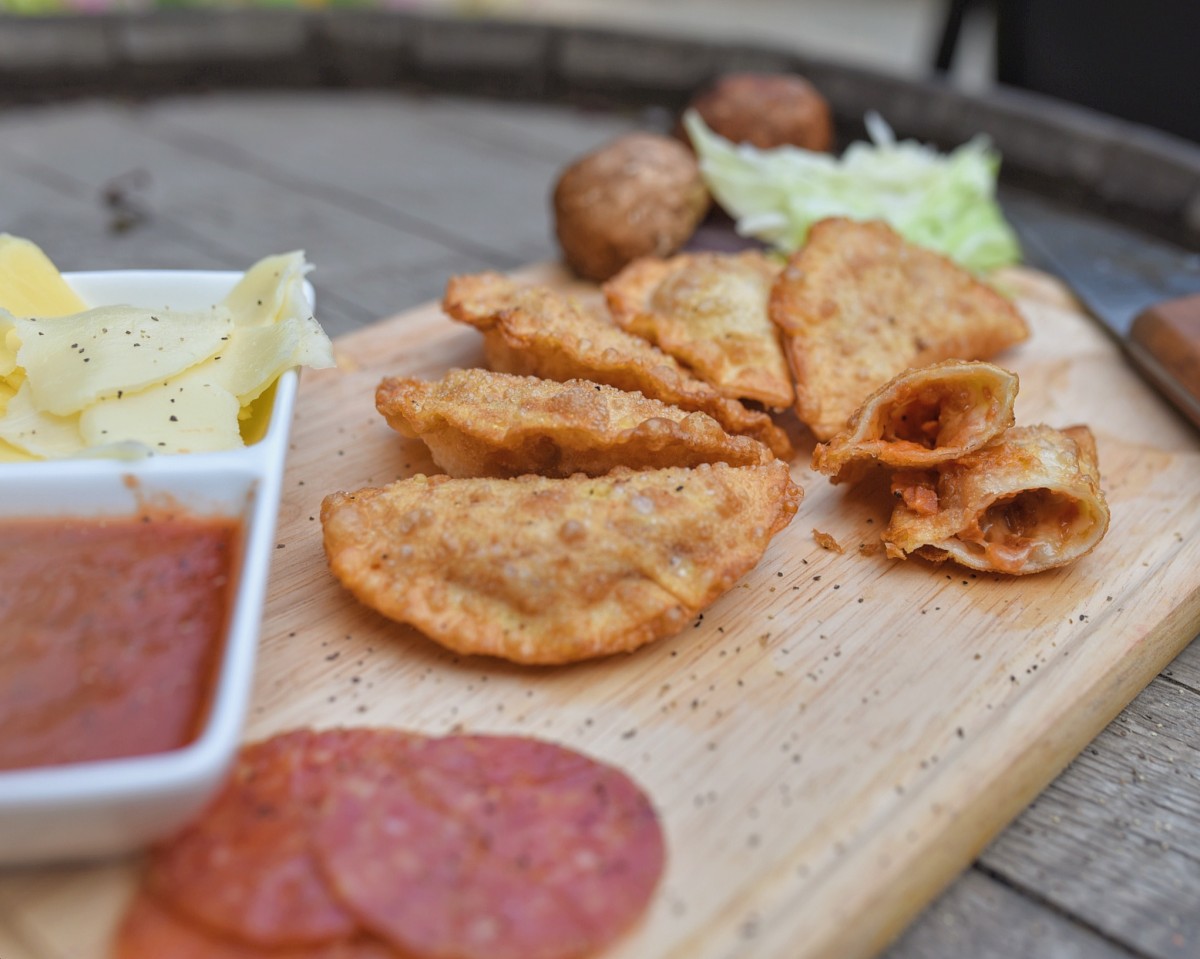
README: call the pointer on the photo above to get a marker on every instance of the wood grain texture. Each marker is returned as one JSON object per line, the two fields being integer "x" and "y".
{"x": 1186, "y": 668}
{"x": 835, "y": 739}
{"x": 981, "y": 918}
{"x": 1151, "y": 808}
{"x": 51, "y": 181}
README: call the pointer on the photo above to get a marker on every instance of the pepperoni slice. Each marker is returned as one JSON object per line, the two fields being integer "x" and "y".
{"x": 151, "y": 931}
{"x": 489, "y": 847}
{"x": 245, "y": 869}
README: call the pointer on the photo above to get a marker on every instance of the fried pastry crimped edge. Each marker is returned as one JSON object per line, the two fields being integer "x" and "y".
{"x": 857, "y": 304}
{"x": 923, "y": 417}
{"x": 483, "y": 423}
{"x": 709, "y": 311}
{"x": 542, "y": 570}
{"x": 536, "y": 331}
{"x": 1029, "y": 502}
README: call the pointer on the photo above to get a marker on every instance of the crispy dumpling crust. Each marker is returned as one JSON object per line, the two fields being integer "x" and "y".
{"x": 857, "y": 305}
{"x": 709, "y": 311}
{"x": 923, "y": 417}
{"x": 481, "y": 423}
{"x": 542, "y": 570}
{"x": 1029, "y": 502}
{"x": 536, "y": 331}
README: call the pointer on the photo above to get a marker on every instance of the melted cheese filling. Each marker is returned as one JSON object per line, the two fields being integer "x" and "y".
{"x": 1029, "y": 525}
{"x": 938, "y": 418}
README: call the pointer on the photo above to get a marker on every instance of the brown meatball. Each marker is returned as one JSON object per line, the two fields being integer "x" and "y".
{"x": 767, "y": 110}
{"x": 640, "y": 195}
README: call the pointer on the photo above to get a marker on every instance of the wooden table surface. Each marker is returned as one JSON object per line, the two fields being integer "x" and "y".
{"x": 390, "y": 194}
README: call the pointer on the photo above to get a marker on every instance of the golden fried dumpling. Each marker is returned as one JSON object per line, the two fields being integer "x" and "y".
{"x": 544, "y": 570}
{"x": 709, "y": 311}
{"x": 481, "y": 423}
{"x": 1028, "y": 502}
{"x": 923, "y": 417}
{"x": 536, "y": 331}
{"x": 857, "y": 304}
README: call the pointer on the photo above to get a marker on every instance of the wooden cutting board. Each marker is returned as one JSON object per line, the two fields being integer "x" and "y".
{"x": 830, "y": 743}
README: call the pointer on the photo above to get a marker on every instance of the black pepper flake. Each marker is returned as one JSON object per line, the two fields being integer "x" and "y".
{"x": 332, "y": 656}
{"x": 629, "y": 734}
{"x": 174, "y": 418}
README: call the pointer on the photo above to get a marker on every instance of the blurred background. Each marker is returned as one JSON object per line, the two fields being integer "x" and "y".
{"x": 894, "y": 35}
{"x": 1135, "y": 61}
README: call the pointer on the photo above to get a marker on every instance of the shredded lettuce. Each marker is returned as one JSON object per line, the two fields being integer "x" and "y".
{"x": 945, "y": 202}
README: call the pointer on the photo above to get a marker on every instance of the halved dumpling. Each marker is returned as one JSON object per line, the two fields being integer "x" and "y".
{"x": 709, "y": 311}
{"x": 1028, "y": 502}
{"x": 544, "y": 570}
{"x": 537, "y": 332}
{"x": 482, "y": 423}
{"x": 858, "y": 305}
{"x": 923, "y": 417}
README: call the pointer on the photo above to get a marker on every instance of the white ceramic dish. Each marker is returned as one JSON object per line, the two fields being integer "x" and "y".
{"x": 94, "y": 809}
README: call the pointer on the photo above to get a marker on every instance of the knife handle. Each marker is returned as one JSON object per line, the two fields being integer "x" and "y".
{"x": 1170, "y": 333}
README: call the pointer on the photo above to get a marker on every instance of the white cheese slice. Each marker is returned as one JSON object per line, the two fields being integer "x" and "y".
{"x": 11, "y": 454}
{"x": 30, "y": 285}
{"x": 38, "y": 433}
{"x": 270, "y": 290}
{"x": 189, "y": 413}
{"x": 255, "y": 356}
{"x": 9, "y": 341}
{"x": 73, "y": 361}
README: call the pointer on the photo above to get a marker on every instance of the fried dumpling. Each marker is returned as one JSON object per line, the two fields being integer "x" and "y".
{"x": 544, "y": 570}
{"x": 923, "y": 417}
{"x": 481, "y": 423}
{"x": 538, "y": 332}
{"x": 857, "y": 304}
{"x": 709, "y": 311}
{"x": 1028, "y": 502}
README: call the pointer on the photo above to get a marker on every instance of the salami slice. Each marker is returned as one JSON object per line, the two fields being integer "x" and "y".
{"x": 490, "y": 847}
{"x": 245, "y": 869}
{"x": 151, "y": 931}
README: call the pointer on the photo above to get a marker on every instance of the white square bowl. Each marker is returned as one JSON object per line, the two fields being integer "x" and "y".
{"x": 92, "y": 809}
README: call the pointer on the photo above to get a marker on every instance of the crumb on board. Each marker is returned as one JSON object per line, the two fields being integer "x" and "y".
{"x": 826, "y": 541}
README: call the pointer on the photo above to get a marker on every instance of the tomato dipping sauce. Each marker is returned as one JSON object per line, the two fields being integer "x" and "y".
{"x": 111, "y": 631}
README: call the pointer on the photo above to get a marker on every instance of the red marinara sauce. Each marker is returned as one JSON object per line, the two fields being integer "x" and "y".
{"x": 111, "y": 632}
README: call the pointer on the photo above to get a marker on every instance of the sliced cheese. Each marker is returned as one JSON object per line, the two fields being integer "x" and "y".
{"x": 253, "y": 358}
{"x": 11, "y": 454}
{"x": 9, "y": 341}
{"x": 119, "y": 380}
{"x": 269, "y": 290}
{"x": 188, "y": 413}
{"x": 30, "y": 285}
{"x": 36, "y": 432}
{"x": 73, "y": 361}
